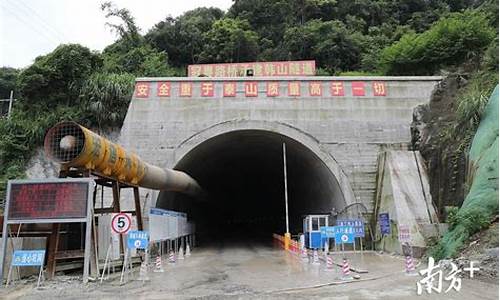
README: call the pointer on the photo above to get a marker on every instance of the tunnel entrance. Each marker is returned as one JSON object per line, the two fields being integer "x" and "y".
{"x": 241, "y": 173}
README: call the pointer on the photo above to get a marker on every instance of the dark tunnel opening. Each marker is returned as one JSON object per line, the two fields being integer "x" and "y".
{"x": 242, "y": 175}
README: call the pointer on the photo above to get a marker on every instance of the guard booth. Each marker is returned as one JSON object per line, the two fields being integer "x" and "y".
{"x": 311, "y": 225}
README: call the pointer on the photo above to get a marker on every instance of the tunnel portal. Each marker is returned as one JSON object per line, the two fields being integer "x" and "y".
{"x": 242, "y": 175}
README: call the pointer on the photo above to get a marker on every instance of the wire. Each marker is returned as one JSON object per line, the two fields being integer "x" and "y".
{"x": 50, "y": 39}
{"x": 59, "y": 33}
{"x": 24, "y": 21}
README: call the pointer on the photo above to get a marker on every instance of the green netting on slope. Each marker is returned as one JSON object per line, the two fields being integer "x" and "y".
{"x": 481, "y": 204}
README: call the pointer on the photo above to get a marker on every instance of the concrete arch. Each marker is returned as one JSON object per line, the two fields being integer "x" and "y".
{"x": 305, "y": 139}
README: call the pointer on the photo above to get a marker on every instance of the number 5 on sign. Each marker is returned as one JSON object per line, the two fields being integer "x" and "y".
{"x": 121, "y": 223}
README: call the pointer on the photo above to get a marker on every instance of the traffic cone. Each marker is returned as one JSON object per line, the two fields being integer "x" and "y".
{"x": 171, "y": 257}
{"x": 143, "y": 272}
{"x": 346, "y": 270}
{"x": 315, "y": 257}
{"x": 304, "y": 255}
{"x": 410, "y": 266}
{"x": 329, "y": 263}
{"x": 181, "y": 253}
{"x": 188, "y": 250}
{"x": 158, "y": 265}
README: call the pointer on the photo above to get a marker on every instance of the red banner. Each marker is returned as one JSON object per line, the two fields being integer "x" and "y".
{"x": 378, "y": 88}
{"x": 272, "y": 68}
{"x": 315, "y": 89}
{"x": 273, "y": 89}
{"x": 141, "y": 90}
{"x": 207, "y": 89}
{"x": 251, "y": 89}
{"x": 163, "y": 89}
{"x": 337, "y": 88}
{"x": 229, "y": 89}
{"x": 185, "y": 89}
{"x": 144, "y": 89}
{"x": 358, "y": 88}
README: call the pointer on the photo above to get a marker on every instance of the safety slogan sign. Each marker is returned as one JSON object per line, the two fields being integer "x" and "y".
{"x": 385, "y": 223}
{"x": 344, "y": 235}
{"x": 404, "y": 233}
{"x": 137, "y": 239}
{"x": 357, "y": 224}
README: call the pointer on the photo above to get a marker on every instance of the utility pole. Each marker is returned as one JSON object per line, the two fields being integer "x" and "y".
{"x": 11, "y": 101}
{"x": 287, "y": 233}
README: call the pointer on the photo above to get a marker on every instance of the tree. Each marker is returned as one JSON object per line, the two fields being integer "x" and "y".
{"x": 142, "y": 60}
{"x": 131, "y": 53}
{"x": 449, "y": 42}
{"x": 8, "y": 78}
{"x": 230, "y": 40}
{"x": 183, "y": 37}
{"x": 128, "y": 31}
{"x": 56, "y": 78}
{"x": 106, "y": 97}
{"x": 329, "y": 43}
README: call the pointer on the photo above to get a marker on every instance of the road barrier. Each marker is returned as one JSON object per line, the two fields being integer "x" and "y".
{"x": 143, "y": 272}
{"x": 329, "y": 263}
{"x": 305, "y": 255}
{"x": 171, "y": 257}
{"x": 158, "y": 265}
{"x": 315, "y": 257}
{"x": 410, "y": 266}
{"x": 279, "y": 240}
{"x": 346, "y": 270}
{"x": 293, "y": 245}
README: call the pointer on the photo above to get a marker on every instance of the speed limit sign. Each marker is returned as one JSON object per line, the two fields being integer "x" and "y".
{"x": 120, "y": 223}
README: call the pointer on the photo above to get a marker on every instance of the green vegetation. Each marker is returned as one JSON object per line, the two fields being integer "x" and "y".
{"x": 450, "y": 41}
{"x": 481, "y": 204}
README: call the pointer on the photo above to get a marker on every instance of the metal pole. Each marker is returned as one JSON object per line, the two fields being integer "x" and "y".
{"x": 286, "y": 188}
{"x": 11, "y": 98}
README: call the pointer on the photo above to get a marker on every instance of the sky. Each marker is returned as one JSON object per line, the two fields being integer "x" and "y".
{"x": 29, "y": 28}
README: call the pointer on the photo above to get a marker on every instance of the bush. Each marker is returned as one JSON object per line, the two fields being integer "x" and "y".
{"x": 450, "y": 41}
{"x": 55, "y": 78}
{"x": 21, "y": 134}
{"x": 105, "y": 98}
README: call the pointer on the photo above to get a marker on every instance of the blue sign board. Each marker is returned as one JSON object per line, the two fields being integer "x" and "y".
{"x": 343, "y": 229}
{"x": 137, "y": 239}
{"x": 344, "y": 237}
{"x": 327, "y": 231}
{"x": 22, "y": 258}
{"x": 357, "y": 224}
{"x": 385, "y": 223}
{"x": 164, "y": 212}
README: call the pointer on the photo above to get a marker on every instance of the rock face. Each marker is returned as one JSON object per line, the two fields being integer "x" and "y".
{"x": 445, "y": 162}
{"x": 40, "y": 166}
{"x": 403, "y": 193}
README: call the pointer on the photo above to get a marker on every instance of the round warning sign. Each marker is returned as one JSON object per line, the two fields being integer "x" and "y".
{"x": 344, "y": 238}
{"x": 120, "y": 223}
